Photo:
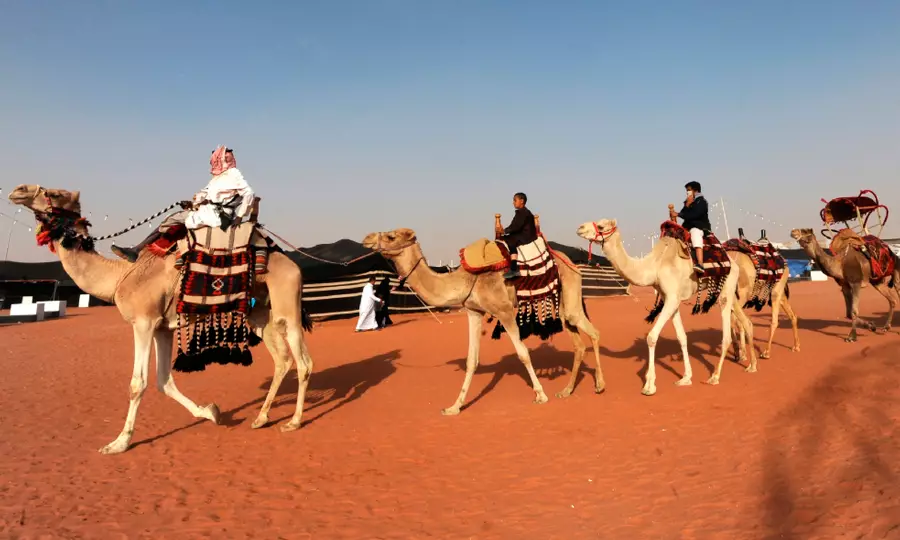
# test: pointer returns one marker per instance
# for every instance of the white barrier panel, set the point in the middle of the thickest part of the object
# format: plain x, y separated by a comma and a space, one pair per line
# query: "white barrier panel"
84, 301
27, 310
27, 299
56, 308
816, 275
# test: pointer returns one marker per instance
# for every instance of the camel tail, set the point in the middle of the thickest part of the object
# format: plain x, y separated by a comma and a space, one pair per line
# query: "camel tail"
584, 309
787, 291
306, 320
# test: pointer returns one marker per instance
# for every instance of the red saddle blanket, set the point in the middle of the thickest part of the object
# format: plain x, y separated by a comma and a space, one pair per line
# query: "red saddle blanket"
769, 263
880, 256
715, 257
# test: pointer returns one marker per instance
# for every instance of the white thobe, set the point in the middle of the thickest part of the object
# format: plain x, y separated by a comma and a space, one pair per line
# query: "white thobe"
220, 190
367, 306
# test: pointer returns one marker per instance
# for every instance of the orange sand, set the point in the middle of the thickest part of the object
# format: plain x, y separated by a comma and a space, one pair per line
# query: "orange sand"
806, 448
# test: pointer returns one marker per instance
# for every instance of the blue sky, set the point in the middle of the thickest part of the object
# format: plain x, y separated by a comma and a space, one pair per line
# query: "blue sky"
349, 116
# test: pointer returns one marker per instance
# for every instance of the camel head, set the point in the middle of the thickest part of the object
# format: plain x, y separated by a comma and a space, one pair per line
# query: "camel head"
392, 243
804, 237
42, 200
598, 231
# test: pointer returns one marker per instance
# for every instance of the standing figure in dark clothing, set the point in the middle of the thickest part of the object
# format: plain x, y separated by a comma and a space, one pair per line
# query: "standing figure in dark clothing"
695, 216
382, 318
521, 231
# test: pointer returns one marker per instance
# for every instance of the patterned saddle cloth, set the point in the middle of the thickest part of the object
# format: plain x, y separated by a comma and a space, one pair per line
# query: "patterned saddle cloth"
214, 300
715, 257
537, 290
881, 258
770, 267
769, 263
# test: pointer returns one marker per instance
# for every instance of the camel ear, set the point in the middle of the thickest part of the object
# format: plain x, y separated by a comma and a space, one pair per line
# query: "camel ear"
612, 223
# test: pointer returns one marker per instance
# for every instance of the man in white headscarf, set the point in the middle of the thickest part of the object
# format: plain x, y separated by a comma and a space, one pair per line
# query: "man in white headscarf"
226, 198
367, 305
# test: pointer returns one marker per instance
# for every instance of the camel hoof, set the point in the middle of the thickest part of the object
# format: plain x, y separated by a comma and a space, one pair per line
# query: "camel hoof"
713, 380
885, 329
214, 415
850, 339
750, 369
683, 382
259, 422
564, 393
290, 426
115, 447
764, 355
452, 411
648, 391
796, 349
541, 398
600, 387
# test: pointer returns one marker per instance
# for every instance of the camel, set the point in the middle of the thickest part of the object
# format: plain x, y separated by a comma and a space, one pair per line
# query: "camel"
852, 271
145, 295
488, 293
779, 300
674, 278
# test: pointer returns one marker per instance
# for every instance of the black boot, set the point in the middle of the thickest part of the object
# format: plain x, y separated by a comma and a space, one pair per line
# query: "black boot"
513, 271
132, 254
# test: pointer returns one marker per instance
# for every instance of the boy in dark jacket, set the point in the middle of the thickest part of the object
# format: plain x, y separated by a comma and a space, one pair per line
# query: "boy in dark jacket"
695, 216
521, 231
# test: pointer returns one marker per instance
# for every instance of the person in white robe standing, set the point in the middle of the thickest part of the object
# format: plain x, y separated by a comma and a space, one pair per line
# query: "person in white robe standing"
367, 308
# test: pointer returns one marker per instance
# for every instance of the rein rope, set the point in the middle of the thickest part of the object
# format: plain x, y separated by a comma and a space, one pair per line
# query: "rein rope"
136, 225
319, 259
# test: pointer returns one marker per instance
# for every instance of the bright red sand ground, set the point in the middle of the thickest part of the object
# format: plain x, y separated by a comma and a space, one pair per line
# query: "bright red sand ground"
808, 447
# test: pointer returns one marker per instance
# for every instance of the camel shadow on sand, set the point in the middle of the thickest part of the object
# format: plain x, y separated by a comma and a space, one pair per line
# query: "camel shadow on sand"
832, 453
549, 364
337, 385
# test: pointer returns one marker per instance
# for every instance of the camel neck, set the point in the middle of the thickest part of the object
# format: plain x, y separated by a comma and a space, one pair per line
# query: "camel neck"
93, 273
829, 263
640, 272
439, 290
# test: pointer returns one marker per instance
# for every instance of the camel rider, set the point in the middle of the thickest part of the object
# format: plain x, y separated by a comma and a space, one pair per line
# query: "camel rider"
224, 200
521, 231
695, 216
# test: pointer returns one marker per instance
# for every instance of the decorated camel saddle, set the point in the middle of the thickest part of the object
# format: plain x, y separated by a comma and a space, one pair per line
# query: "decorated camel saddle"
537, 290
716, 264
214, 302
768, 262
879, 254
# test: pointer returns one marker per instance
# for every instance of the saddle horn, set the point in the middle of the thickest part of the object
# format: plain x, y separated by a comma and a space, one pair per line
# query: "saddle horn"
498, 227
741, 233
762, 235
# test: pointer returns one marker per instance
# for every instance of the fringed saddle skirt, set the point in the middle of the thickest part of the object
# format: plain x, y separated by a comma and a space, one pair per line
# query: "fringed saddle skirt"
881, 258
770, 267
214, 302
716, 264
537, 290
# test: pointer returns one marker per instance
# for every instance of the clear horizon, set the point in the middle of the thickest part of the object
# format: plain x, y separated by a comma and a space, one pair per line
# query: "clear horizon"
351, 117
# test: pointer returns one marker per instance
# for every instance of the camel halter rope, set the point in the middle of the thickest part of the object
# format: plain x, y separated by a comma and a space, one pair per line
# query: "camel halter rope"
600, 237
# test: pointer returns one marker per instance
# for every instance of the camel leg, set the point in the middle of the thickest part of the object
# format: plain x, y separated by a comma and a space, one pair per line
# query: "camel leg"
304, 368
579, 347
746, 330
888, 294
475, 323
777, 299
525, 357
283, 360
682, 340
143, 339
581, 322
739, 351
851, 294
165, 382
669, 309
726, 339
789, 311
